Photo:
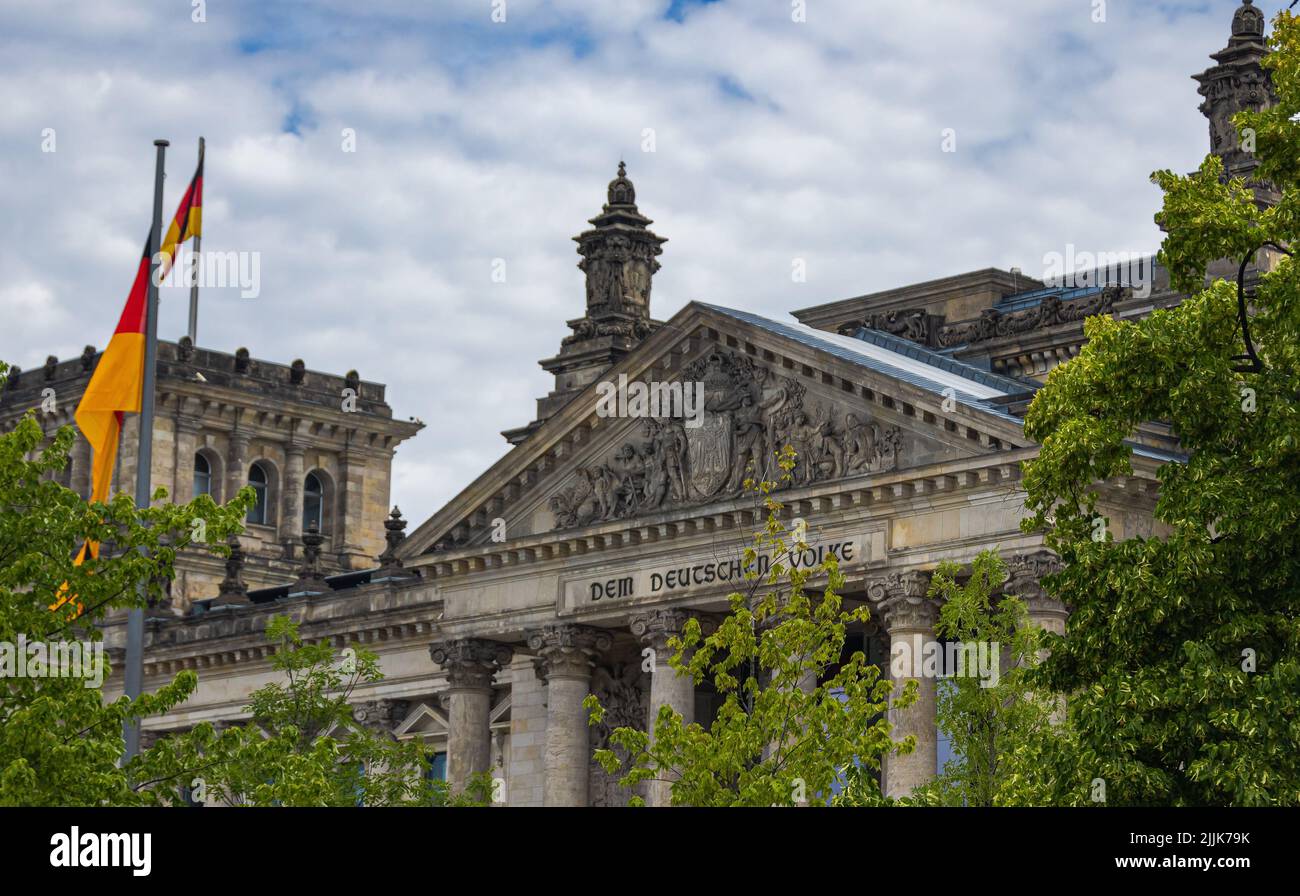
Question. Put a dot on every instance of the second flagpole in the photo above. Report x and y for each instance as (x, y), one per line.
(134, 672)
(194, 288)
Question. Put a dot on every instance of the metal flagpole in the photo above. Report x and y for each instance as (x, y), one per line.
(194, 289)
(134, 684)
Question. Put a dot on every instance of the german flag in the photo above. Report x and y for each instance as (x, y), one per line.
(187, 223)
(116, 386)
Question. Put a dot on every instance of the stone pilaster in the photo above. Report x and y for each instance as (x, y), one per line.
(908, 616)
(291, 492)
(470, 664)
(351, 507)
(187, 444)
(236, 464)
(567, 655)
(81, 466)
(667, 688)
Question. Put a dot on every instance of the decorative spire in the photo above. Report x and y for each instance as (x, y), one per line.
(310, 580)
(233, 591)
(619, 257)
(1238, 81)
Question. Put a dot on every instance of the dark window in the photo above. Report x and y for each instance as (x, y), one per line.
(437, 767)
(202, 476)
(258, 480)
(313, 503)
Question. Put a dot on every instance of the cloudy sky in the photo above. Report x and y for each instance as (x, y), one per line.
(772, 140)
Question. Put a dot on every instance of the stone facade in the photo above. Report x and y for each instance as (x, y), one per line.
(233, 411)
(906, 410)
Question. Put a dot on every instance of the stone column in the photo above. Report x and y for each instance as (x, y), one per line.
(470, 664)
(1045, 611)
(667, 688)
(291, 501)
(908, 617)
(567, 653)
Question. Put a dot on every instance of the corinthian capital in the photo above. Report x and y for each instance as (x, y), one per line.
(902, 602)
(470, 662)
(569, 650)
(656, 627)
(1026, 572)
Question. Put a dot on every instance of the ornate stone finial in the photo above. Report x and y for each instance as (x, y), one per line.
(310, 579)
(88, 357)
(352, 380)
(297, 372)
(241, 360)
(569, 651)
(390, 565)
(470, 662)
(233, 591)
(1248, 22)
(51, 363)
(621, 192)
(185, 349)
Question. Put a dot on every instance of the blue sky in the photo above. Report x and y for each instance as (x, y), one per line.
(773, 140)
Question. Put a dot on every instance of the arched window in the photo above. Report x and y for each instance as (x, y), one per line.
(313, 503)
(202, 476)
(258, 479)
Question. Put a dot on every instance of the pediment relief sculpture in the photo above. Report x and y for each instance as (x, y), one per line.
(750, 414)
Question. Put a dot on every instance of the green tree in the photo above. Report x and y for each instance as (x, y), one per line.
(303, 745)
(794, 718)
(998, 727)
(1182, 664)
(60, 742)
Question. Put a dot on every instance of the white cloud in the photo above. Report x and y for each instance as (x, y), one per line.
(476, 141)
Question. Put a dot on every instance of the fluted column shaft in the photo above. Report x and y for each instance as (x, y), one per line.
(909, 616)
(567, 654)
(667, 687)
(470, 664)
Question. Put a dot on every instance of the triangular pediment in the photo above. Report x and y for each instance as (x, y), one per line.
(737, 388)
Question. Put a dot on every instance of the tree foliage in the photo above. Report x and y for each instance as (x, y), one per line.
(60, 742)
(1183, 658)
